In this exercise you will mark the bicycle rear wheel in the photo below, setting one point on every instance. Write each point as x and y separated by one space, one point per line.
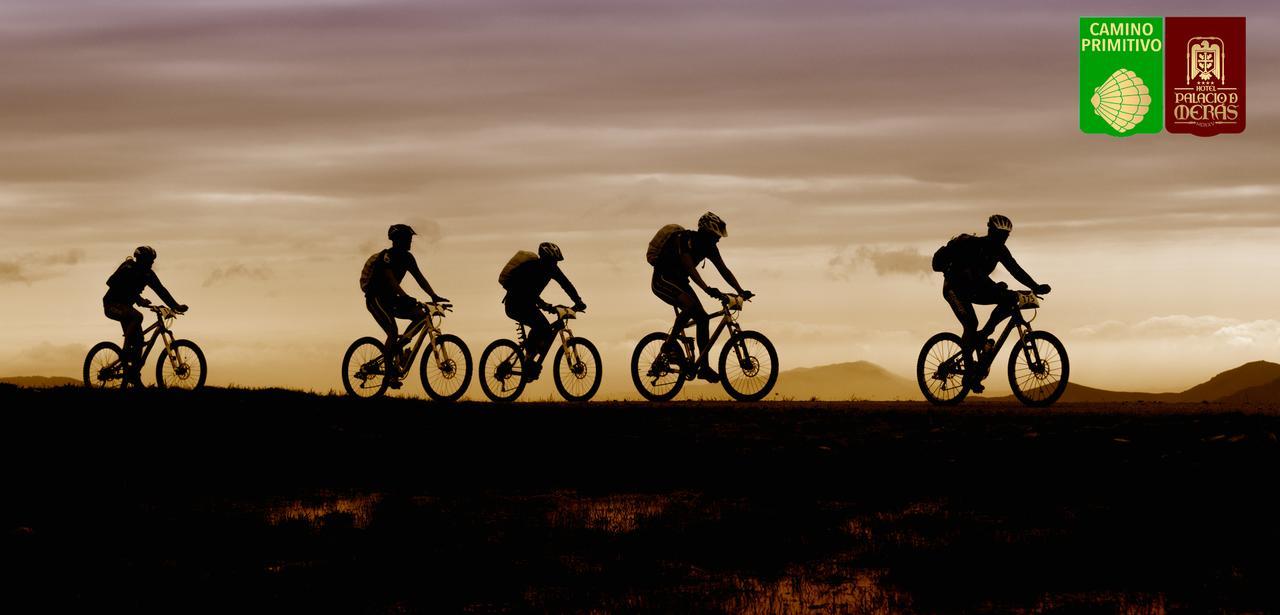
1038 369
578 380
104 367
502 371
446 380
940 370
748 366
363 374
188 372
658 376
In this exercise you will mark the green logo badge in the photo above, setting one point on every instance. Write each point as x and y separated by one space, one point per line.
1121 75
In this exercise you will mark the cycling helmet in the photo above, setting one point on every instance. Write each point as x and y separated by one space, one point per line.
1000 223
146 254
400 230
549 251
712 223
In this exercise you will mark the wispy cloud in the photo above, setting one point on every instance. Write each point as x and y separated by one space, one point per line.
1181 327
30 267
238 271
884 261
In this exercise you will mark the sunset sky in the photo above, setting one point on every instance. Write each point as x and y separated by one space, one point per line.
263 147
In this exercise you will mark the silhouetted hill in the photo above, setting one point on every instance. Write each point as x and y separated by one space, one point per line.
1266 393
837 382
1230 382
1252 382
40 382
1081 393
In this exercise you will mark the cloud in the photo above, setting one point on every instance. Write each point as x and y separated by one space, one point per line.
1193 330
884 261
46 359
34 266
238 271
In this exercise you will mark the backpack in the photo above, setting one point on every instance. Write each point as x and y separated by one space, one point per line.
944 257
370 268
520 258
117 279
659 241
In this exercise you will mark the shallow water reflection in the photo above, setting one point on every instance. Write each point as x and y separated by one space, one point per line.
570 551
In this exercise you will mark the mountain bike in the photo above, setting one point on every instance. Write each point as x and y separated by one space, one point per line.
662 362
180 366
1038 365
445 368
505 364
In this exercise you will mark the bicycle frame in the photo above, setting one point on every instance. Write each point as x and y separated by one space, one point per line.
1023 326
732 305
425 328
563 333
162 332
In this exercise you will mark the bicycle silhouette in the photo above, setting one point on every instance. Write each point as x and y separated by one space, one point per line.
445 368
181 366
1038 365
662 362
503 366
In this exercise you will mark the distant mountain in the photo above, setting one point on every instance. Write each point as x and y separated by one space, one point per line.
1252 382
40 382
861 380
1079 392
1262 394
1232 381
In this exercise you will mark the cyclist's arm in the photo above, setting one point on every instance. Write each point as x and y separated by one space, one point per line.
422 280
724 270
563 280
154 282
1016 270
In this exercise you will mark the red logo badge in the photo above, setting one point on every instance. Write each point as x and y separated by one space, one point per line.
1204 75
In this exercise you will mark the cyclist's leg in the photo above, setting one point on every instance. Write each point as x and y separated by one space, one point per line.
131 325
676 292
381 309
524 310
1004 301
963 310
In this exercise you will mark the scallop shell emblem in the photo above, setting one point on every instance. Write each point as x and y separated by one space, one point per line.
1122 100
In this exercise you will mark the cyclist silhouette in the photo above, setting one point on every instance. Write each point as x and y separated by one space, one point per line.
524 304
124 290
386 300
677 263
967 262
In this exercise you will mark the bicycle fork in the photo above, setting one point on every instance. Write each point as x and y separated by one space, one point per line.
1029 349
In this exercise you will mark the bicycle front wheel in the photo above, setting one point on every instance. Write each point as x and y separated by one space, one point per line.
502 371
940 370
446 369
1038 369
658 376
104 367
363 374
748 366
578 371
186 370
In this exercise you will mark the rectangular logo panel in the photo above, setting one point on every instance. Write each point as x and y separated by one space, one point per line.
1121 75
1204 75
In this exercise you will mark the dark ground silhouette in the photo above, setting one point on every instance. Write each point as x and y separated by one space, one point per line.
235 501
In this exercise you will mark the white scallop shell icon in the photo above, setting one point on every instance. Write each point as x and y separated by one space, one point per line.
1122 100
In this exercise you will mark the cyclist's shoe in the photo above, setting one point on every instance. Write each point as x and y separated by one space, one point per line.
988 347
532 371
671 348
706 373
394 383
